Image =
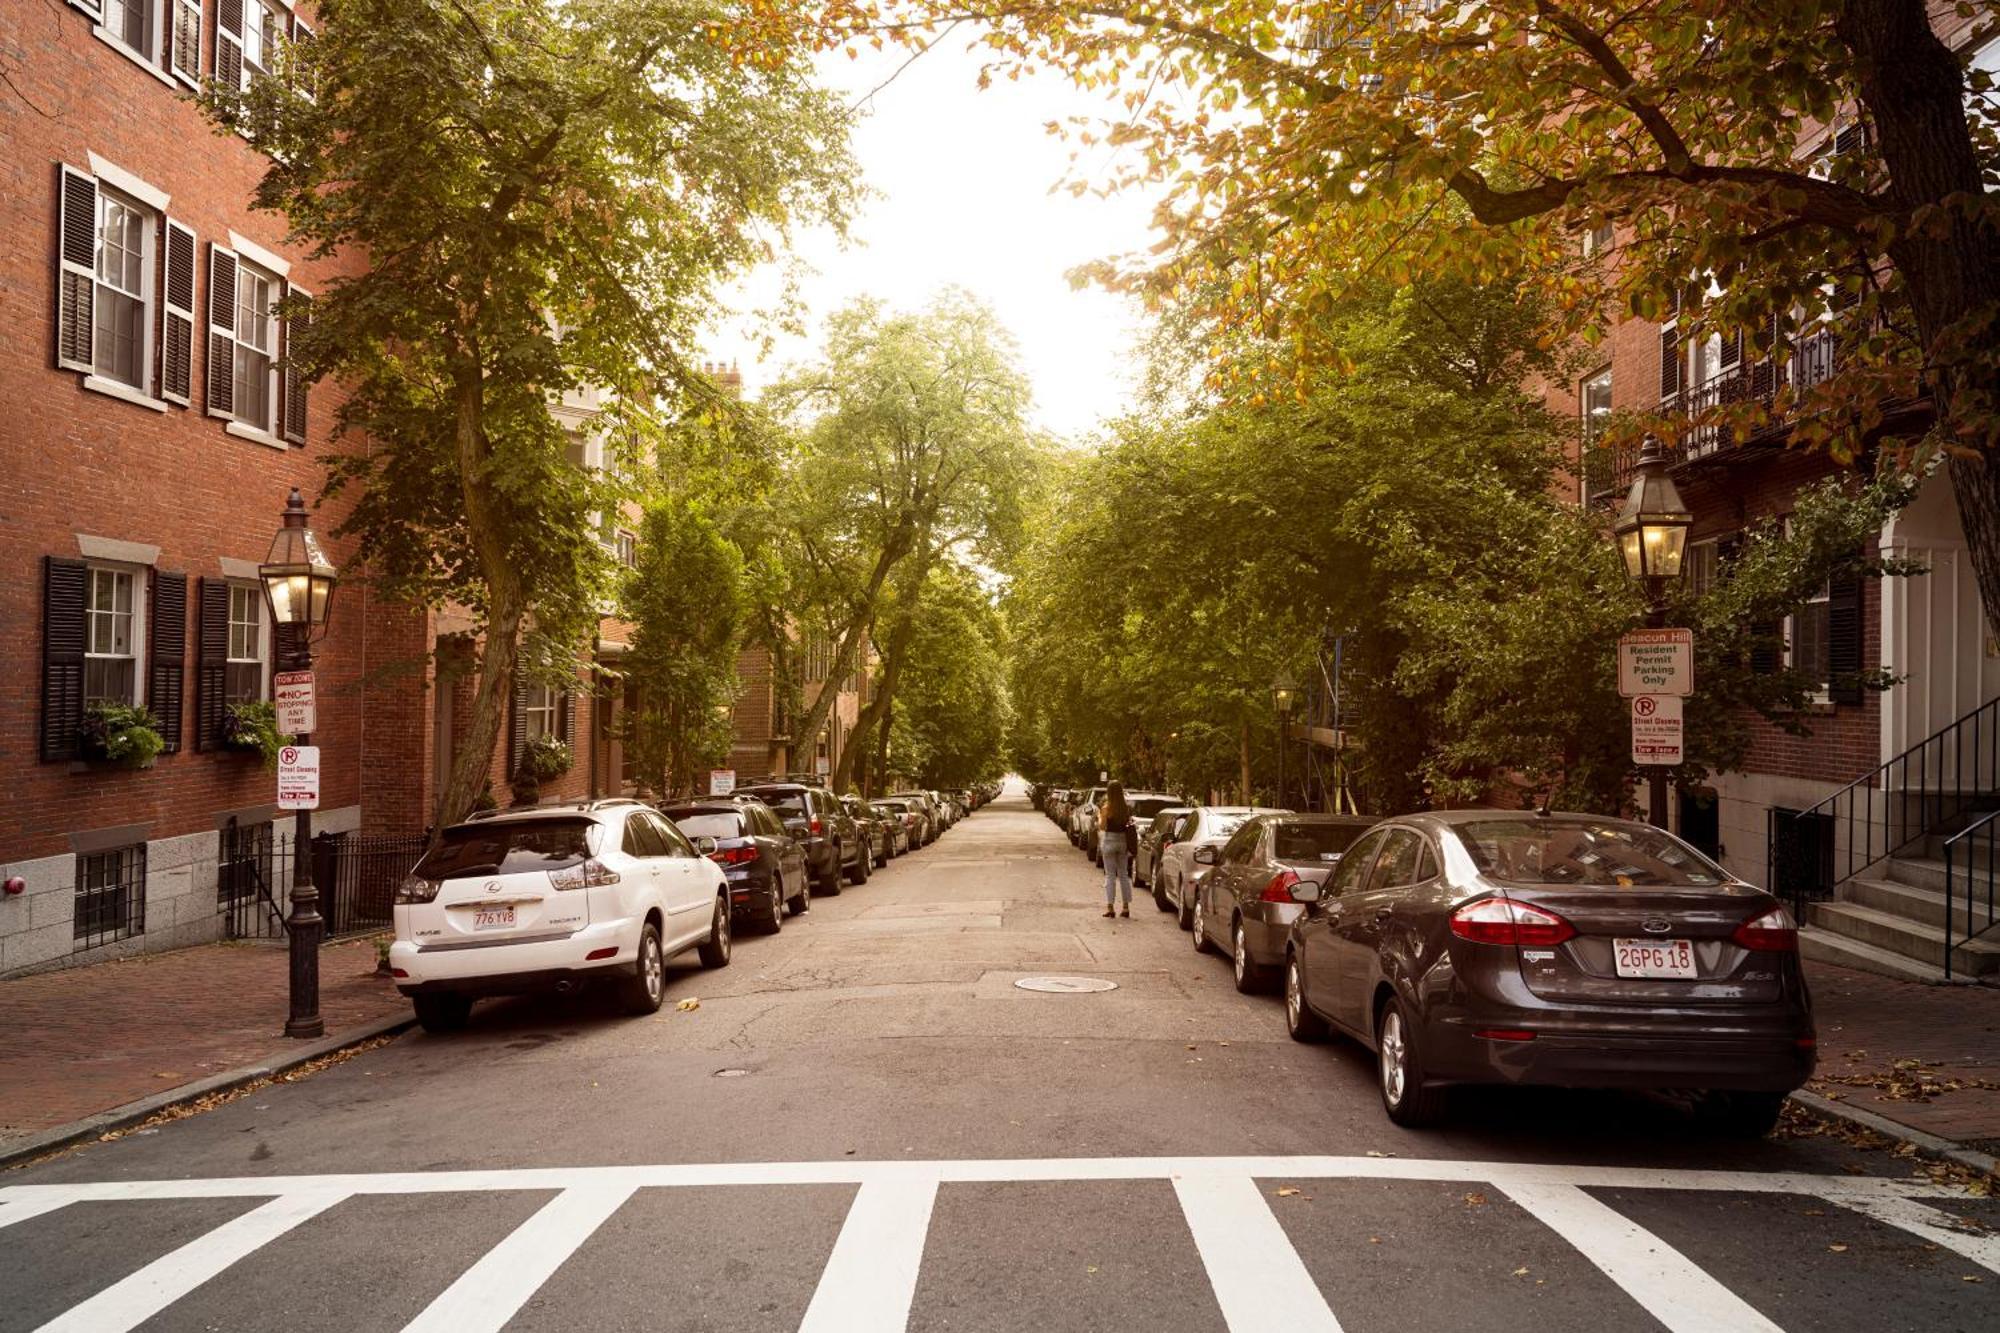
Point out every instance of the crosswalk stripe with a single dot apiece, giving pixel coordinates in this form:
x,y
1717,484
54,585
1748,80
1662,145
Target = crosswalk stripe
x,y
129,1303
20,1210
1927,1222
1668,1285
871,1276
1260,1283
490,1292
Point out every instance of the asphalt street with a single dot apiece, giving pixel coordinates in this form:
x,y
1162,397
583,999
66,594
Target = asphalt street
x,y
864,1124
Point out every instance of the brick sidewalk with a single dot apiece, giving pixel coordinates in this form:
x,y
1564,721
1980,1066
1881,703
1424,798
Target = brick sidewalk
x,y
1867,1024
84,1040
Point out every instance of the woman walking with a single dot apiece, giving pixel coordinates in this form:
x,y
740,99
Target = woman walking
x,y
1114,833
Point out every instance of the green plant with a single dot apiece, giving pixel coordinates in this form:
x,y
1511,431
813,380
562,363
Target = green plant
x,y
545,757
121,734
254,726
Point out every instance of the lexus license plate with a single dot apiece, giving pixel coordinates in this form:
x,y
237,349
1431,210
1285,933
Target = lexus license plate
x,y
493,918
1654,958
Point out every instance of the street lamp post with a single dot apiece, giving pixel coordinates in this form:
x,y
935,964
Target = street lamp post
x,y
298,584
1652,531
1283,690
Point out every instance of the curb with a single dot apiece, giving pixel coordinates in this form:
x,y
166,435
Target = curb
x,y
1928,1144
131,1113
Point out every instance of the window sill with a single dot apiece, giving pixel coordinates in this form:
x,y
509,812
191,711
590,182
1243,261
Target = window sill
x,y
263,437
117,389
112,40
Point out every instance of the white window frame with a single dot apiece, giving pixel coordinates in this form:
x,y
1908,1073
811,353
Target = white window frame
x,y
626,545
540,711
262,624
1703,563
281,24
157,61
1823,693
136,631
248,270
109,195
1599,240
1590,434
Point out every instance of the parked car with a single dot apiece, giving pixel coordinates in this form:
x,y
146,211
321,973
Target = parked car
x,y
1056,806
873,828
905,824
1143,805
1082,813
1152,837
1247,902
933,813
555,897
763,862
1575,950
1178,873
814,816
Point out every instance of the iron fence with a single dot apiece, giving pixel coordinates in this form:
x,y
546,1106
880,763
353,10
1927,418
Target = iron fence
x,y
356,873
1970,863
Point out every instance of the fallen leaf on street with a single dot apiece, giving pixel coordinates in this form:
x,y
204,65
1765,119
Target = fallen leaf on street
x,y
1287,1191
1838,1249
1373,1153
1090,1268
685,1005
1374,1240
1520,1272
1971,1278
1474,1200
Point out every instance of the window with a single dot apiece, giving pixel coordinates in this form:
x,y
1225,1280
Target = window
x,y
1807,635
628,549
110,896
1353,868
131,22
1397,866
256,346
112,634
539,707
1598,240
641,838
1595,395
261,26
121,324
243,674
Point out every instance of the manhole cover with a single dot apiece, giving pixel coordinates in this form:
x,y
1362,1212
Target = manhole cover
x,y
1066,985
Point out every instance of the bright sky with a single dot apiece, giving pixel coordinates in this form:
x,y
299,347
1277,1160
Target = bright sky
x,y
962,181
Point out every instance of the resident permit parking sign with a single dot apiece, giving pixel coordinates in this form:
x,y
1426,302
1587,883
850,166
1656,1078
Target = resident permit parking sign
x,y
298,777
292,693
1656,661
721,781
1656,729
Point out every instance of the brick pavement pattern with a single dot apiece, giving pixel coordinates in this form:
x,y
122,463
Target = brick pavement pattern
x,y
87,1039
1867,1023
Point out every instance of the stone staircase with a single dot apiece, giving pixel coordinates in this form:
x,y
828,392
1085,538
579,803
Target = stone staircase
x,y
1890,920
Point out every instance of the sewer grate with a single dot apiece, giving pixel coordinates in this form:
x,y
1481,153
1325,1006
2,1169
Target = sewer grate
x,y
1066,985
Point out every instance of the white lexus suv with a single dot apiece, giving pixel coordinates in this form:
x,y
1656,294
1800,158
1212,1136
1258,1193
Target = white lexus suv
x,y
553,898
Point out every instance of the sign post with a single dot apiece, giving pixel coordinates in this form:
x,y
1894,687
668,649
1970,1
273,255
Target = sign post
x,y
298,779
293,693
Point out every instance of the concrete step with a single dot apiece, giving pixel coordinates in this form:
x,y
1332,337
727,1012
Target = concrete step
x,y
1914,940
1823,946
1925,906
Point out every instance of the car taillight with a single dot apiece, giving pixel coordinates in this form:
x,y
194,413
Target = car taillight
x,y
733,856
1279,890
1504,921
416,889
1773,932
814,828
583,875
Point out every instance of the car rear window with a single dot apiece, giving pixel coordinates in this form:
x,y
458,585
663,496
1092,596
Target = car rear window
x,y
710,824
1221,826
787,802
1146,806
1316,842
507,849
1600,853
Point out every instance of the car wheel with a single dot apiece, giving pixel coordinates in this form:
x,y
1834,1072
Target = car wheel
x,y
1300,1021
642,992
1186,920
715,949
774,916
829,884
863,867
442,1013
802,901
1251,978
1199,927
1740,1115
1160,896
1409,1100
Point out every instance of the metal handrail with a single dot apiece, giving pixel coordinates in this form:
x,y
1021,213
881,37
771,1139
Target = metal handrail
x,y
1987,831
1914,794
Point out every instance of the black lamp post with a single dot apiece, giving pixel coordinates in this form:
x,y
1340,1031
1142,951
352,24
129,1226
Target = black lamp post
x,y
1283,690
298,583
1652,532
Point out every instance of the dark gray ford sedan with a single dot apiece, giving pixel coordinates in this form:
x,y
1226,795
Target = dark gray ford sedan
x,y
1489,946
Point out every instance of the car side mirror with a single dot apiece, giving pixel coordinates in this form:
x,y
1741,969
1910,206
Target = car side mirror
x,y
1305,891
705,845
1205,856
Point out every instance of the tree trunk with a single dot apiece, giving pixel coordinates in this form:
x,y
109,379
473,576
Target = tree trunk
x,y
1914,91
807,732
506,605
875,714
1244,799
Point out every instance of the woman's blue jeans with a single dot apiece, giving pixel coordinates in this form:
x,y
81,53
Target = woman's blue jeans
x,y
1117,866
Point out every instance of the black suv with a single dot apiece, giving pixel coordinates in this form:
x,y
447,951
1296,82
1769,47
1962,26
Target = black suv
x,y
832,843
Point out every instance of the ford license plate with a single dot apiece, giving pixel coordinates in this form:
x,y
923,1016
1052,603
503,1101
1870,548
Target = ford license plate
x,y
493,918
1654,958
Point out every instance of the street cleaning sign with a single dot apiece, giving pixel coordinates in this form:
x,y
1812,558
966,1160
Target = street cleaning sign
x,y
1656,661
298,777
721,781
292,694
1656,729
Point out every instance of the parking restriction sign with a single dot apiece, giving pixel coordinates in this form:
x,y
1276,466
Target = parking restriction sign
x,y
1656,729
298,777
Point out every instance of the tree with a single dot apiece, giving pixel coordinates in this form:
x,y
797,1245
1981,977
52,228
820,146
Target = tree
x,y
1312,145
950,729
546,193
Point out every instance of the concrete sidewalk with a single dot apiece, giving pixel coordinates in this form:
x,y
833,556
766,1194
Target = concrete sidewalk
x,y
79,1042
1926,1057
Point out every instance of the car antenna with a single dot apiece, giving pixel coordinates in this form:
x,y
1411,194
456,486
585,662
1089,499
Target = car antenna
x,y
1543,808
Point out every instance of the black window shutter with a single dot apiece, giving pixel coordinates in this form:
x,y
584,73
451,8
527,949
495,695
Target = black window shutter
x,y
1732,350
1843,639
221,331
166,651
177,324
569,702
229,43
287,646
517,726
211,663
1670,363
295,384
76,289
62,655
1768,646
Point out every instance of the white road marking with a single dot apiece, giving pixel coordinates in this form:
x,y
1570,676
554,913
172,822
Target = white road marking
x,y
1920,1219
20,1210
489,1293
131,1302
871,1276
1259,1281
1660,1278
